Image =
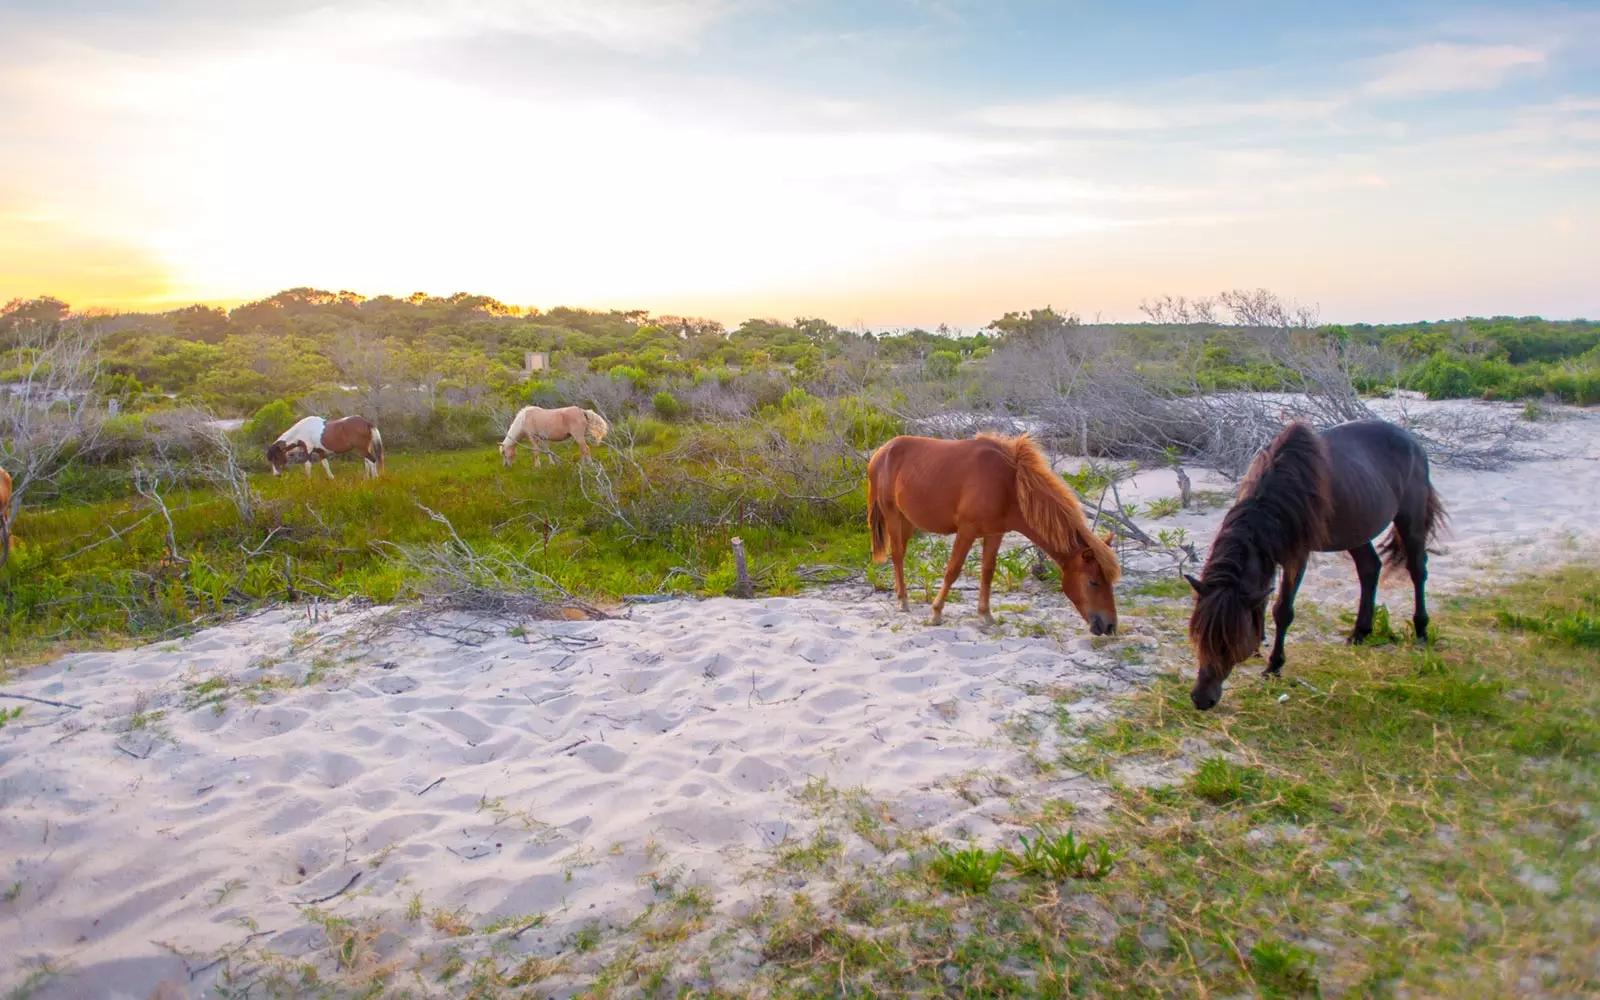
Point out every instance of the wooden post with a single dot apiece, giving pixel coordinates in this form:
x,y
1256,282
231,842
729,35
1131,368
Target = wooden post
x,y
742,587
1183,487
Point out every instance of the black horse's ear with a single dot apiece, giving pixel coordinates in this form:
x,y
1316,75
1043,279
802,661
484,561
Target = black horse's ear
x,y
1199,587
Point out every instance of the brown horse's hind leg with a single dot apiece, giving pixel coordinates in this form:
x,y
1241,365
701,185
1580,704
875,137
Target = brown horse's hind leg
x,y
1283,613
899,534
991,551
958,557
1368,567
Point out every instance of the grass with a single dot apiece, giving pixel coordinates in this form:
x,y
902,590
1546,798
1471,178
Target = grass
x,y
1422,824
69,588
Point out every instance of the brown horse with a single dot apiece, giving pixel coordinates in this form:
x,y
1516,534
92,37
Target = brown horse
x,y
538,427
984,487
314,438
1310,492
5,514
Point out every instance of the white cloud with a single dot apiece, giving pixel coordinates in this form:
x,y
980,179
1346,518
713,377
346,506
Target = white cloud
x,y
1108,115
1445,68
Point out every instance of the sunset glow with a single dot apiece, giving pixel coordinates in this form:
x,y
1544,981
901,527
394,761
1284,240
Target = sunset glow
x,y
888,164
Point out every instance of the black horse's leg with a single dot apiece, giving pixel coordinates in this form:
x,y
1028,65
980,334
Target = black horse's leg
x,y
1417,564
1368,566
1283,612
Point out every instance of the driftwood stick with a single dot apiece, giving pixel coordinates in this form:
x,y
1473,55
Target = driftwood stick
x,y
42,701
742,587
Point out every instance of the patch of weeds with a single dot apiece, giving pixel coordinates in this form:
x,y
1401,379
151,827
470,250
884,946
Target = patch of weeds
x,y
1579,629
452,923
586,938
213,691
1221,782
1061,857
12,894
9,715
1164,507
971,870
812,855
1448,693
228,888
414,908
526,921
1174,587
1283,969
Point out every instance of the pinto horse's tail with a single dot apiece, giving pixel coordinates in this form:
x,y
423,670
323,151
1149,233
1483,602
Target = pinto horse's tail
x,y
377,447
876,522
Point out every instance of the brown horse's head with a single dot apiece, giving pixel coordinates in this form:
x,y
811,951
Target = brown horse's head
x,y
1087,576
1226,628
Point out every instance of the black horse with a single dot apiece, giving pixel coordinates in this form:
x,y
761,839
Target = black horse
x,y
1309,492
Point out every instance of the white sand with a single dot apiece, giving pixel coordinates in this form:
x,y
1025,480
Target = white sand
x,y
557,772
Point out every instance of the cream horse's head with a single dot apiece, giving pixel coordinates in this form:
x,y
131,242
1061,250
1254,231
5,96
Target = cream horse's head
x,y
597,425
508,452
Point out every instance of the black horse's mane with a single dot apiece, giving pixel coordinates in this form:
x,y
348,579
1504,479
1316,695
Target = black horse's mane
x,y
1281,517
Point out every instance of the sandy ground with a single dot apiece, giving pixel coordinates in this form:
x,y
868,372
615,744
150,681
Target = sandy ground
x,y
192,797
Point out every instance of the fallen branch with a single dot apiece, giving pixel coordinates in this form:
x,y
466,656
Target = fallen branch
x,y
41,701
332,895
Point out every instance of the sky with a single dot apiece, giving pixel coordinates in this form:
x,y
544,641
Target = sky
x,y
883,163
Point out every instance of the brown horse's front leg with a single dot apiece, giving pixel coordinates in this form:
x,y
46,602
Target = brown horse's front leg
x,y
958,558
991,550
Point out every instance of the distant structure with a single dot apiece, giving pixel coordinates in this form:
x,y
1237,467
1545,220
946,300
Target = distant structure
x,y
535,361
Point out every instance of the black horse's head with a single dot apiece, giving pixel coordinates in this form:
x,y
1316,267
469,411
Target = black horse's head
x,y
1226,628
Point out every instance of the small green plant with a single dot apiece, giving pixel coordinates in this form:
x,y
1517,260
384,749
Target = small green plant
x,y
1175,587
587,937
1281,969
666,405
1221,782
14,893
1578,629
220,895
212,691
414,908
1062,857
1164,507
971,870
9,715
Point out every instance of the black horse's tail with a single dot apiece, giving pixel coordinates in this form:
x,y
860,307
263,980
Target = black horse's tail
x,y
1434,517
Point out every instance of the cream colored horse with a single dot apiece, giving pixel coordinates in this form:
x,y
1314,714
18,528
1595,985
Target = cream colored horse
x,y
538,426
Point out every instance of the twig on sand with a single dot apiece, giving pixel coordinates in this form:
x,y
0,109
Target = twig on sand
x,y
530,925
41,701
334,895
435,783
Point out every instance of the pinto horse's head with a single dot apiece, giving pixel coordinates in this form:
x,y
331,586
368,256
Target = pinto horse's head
x,y
1226,628
281,453
1087,578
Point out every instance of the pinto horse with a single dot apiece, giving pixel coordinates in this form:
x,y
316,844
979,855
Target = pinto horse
x,y
984,487
315,438
538,426
1309,492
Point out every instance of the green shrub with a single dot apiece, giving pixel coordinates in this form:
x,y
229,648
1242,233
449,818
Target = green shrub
x,y
666,405
942,364
269,421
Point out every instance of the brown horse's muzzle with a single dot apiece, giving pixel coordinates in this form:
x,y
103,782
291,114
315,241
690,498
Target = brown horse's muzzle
x,y
1101,625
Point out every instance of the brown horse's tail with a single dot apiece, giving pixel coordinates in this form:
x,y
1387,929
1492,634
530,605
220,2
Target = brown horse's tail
x,y
1053,512
377,448
876,520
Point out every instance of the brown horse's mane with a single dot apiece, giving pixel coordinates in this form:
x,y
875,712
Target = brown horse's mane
x,y
1050,507
1281,516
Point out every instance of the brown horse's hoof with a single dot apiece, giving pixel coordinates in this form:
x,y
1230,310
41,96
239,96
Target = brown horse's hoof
x,y
936,619
988,619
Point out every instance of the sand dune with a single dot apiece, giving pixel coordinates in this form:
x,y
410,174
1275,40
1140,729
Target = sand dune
x,y
194,797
